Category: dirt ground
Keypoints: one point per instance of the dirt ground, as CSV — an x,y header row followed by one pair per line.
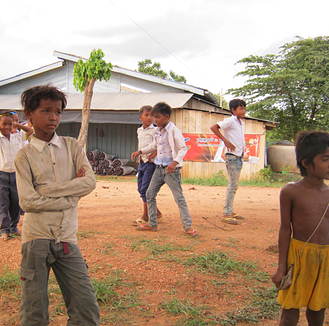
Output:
x,y
149,278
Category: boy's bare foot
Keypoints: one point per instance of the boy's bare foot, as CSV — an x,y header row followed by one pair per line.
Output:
x,y
139,221
146,227
191,232
5,236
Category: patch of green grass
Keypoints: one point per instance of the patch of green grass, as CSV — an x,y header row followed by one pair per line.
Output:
x,y
157,248
220,263
177,307
193,315
216,180
9,281
263,306
259,180
127,178
107,294
87,234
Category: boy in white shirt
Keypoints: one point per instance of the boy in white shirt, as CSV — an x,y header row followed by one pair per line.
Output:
x,y
171,149
233,137
10,144
146,165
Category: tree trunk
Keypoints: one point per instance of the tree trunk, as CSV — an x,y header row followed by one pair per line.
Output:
x,y
88,94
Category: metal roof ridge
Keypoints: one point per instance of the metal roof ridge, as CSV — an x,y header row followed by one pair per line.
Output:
x,y
138,74
32,72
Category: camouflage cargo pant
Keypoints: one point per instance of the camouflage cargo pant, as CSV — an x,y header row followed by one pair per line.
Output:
x,y
71,273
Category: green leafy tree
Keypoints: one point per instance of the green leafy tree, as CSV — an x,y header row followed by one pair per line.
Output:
x,y
221,101
178,78
291,87
147,66
86,73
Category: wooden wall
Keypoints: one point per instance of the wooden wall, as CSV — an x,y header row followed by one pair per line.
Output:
x,y
193,121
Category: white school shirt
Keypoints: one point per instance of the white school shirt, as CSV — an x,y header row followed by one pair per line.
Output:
x,y
8,150
145,138
233,129
164,152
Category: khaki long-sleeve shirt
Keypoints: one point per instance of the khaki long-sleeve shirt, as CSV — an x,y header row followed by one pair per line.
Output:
x,y
49,189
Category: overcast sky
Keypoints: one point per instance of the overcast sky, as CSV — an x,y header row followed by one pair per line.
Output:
x,y
200,39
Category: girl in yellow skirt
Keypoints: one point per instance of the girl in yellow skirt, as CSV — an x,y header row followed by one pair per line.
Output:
x,y
303,269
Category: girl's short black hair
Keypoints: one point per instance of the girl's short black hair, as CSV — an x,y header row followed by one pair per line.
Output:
x,y
236,103
162,108
31,97
308,145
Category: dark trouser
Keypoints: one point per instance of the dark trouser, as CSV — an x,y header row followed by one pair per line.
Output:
x,y
145,172
173,180
9,204
70,269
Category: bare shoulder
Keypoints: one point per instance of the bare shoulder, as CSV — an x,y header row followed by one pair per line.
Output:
x,y
291,189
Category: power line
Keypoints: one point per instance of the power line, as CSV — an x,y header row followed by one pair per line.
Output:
x,y
154,39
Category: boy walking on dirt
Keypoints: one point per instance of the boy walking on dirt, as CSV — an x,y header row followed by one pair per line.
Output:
x,y
10,144
146,165
303,269
171,149
233,137
52,174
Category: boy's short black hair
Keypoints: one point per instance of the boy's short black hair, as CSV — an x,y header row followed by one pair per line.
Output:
x,y
162,108
31,97
308,145
236,103
145,108
7,115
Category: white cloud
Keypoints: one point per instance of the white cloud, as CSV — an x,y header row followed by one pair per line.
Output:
x,y
201,39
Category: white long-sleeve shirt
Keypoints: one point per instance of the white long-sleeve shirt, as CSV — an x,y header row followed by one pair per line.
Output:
x,y
8,150
48,188
176,142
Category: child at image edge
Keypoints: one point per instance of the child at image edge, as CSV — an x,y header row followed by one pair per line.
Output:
x,y
52,174
146,165
10,144
304,237
170,146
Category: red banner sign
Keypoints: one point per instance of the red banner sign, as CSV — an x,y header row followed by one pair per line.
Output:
x,y
209,148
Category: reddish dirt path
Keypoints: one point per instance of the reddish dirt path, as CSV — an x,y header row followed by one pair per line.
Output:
x,y
107,241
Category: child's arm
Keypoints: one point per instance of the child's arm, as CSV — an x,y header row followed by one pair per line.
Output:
x,y
29,199
149,148
182,150
28,130
284,233
216,130
82,185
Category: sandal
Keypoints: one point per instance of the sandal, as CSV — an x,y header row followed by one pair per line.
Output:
x,y
191,232
231,220
238,217
146,227
139,221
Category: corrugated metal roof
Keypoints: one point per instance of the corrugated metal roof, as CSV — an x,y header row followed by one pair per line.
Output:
x,y
109,101
31,73
119,70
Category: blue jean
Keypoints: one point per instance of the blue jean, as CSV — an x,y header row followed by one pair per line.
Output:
x,y
9,204
145,172
173,180
233,166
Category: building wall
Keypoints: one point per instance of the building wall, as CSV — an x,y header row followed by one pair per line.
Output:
x,y
193,121
118,139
